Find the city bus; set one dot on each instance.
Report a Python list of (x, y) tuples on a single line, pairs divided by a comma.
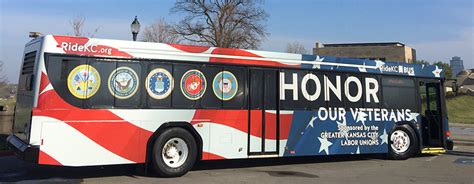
[(88, 102)]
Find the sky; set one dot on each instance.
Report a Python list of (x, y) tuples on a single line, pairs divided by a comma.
[(438, 30)]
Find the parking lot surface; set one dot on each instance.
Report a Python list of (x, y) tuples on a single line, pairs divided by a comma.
[(453, 167)]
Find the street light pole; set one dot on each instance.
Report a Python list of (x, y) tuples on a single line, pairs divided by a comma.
[(135, 27)]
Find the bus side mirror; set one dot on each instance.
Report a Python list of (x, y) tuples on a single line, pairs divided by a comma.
[(29, 83), (454, 86)]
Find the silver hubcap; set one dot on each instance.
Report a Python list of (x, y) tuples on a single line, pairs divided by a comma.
[(175, 152), (400, 141)]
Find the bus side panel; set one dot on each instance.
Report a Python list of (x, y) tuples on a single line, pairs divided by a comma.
[(226, 135), (314, 133)]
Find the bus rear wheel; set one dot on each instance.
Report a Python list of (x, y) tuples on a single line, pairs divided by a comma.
[(174, 152), (403, 143)]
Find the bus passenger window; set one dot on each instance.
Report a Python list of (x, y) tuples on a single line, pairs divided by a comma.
[(159, 84), (214, 77), (125, 82), (232, 88), (102, 98), (399, 93)]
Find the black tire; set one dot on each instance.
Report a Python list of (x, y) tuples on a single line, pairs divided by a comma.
[(161, 168), (413, 147)]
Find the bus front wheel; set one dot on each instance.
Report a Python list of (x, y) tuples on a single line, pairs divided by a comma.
[(174, 152), (403, 143)]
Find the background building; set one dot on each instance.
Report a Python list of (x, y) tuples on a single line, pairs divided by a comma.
[(385, 51), (456, 65)]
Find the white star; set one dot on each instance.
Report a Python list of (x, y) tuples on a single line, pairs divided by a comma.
[(361, 116), (437, 71), (358, 151), (379, 63), (318, 59), (310, 123), (324, 145), (413, 116), (384, 137)]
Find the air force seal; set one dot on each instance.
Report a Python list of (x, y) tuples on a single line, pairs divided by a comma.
[(193, 84), (83, 81), (123, 82), (159, 83), (225, 85)]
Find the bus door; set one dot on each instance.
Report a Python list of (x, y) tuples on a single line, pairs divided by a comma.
[(263, 112), (431, 112)]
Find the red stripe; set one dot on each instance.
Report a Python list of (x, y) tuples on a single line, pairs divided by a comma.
[(285, 125), (119, 136), (238, 52), (233, 118), (190, 48), (211, 156), (44, 82), (80, 42), (256, 123), (44, 158)]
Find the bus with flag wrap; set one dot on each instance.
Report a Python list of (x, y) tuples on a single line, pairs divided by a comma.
[(87, 101)]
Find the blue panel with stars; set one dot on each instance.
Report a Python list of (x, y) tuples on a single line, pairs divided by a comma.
[(372, 66), (354, 134)]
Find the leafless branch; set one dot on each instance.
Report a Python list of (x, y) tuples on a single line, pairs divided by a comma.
[(77, 24), (296, 47), (222, 23), (160, 31)]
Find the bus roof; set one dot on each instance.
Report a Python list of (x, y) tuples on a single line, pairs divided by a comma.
[(148, 50)]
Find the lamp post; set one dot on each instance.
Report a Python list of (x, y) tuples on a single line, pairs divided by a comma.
[(135, 27)]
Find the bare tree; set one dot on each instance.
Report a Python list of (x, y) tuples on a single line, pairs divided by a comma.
[(160, 31), (296, 47), (222, 23), (77, 24)]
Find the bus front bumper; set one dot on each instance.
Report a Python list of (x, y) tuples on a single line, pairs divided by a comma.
[(23, 150)]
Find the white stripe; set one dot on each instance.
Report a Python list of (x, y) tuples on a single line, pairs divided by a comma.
[(204, 55), (152, 119), (47, 88), (71, 148)]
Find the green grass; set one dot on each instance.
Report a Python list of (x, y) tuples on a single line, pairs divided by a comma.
[(460, 109)]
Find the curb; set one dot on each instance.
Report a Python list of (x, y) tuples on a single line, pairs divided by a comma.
[(6, 153), (463, 142)]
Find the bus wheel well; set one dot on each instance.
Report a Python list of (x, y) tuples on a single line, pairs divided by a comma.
[(412, 126), (184, 125)]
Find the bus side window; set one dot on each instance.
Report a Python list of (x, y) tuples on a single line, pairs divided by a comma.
[(128, 84), (373, 103), (291, 84), (354, 91), (255, 92), (189, 84), (60, 68), (399, 93), (213, 77), (102, 98), (333, 99), (316, 101), (158, 86), (233, 93)]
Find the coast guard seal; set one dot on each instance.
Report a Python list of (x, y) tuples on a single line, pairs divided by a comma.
[(159, 83), (193, 84), (225, 85), (123, 82), (83, 81)]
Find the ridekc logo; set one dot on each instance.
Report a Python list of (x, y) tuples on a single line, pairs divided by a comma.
[(91, 48), (84, 46)]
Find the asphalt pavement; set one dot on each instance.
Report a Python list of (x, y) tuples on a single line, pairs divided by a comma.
[(452, 167)]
